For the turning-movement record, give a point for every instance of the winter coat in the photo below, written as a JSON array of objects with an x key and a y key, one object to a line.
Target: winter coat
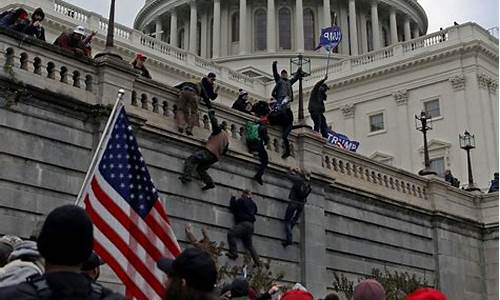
[
  {"x": 207, "y": 90},
  {"x": 37, "y": 32},
  {"x": 283, "y": 87},
  {"x": 240, "y": 104},
  {"x": 144, "y": 71},
  {"x": 218, "y": 141},
  {"x": 18, "y": 271},
  {"x": 493, "y": 186},
  {"x": 62, "y": 286},
  {"x": 300, "y": 188},
  {"x": 318, "y": 98},
  {"x": 244, "y": 209}
]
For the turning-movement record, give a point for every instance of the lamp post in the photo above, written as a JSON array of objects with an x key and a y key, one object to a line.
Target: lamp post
[
  {"x": 302, "y": 67},
  {"x": 468, "y": 142},
  {"x": 424, "y": 126},
  {"x": 110, "y": 35}
]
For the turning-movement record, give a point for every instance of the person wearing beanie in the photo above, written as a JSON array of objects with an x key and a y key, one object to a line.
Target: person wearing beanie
[
  {"x": 34, "y": 27},
  {"x": 241, "y": 104},
  {"x": 191, "y": 275},
  {"x": 208, "y": 92},
  {"x": 426, "y": 294},
  {"x": 25, "y": 261},
  {"x": 316, "y": 107},
  {"x": 65, "y": 242},
  {"x": 92, "y": 266},
  {"x": 368, "y": 289}
]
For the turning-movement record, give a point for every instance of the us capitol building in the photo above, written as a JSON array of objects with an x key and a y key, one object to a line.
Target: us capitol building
[{"x": 387, "y": 68}]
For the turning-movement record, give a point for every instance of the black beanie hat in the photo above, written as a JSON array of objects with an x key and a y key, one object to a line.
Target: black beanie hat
[{"x": 66, "y": 237}]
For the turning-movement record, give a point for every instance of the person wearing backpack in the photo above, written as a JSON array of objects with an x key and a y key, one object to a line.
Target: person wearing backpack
[
  {"x": 65, "y": 242},
  {"x": 257, "y": 139},
  {"x": 301, "y": 188}
]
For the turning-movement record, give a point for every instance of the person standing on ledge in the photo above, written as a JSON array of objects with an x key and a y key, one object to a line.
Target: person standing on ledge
[
  {"x": 208, "y": 92},
  {"x": 317, "y": 107},
  {"x": 138, "y": 64},
  {"x": 217, "y": 145},
  {"x": 283, "y": 93},
  {"x": 301, "y": 188},
  {"x": 244, "y": 210}
]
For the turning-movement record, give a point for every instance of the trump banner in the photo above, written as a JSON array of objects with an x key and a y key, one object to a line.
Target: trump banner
[
  {"x": 330, "y": 38},
  {"x": 342, "y": 141}
]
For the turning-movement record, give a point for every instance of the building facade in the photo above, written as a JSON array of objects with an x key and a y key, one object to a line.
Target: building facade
[{"x": 386, "y": 70}]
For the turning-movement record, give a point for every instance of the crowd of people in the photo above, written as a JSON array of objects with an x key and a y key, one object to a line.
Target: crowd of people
[{"x": 59, "y": 264}]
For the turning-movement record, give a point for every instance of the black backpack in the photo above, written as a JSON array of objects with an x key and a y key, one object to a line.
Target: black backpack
[{"x": 43, "y": 291}]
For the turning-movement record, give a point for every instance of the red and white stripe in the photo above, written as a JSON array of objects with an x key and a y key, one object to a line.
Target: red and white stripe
[{"x": 130, "y": 245}]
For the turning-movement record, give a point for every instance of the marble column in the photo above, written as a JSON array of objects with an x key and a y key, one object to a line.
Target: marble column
[
  {"x": 299, "y": 29},
  {"x": 243, "y": 28},
  {"x": 364, "y": 33},
  {"x": 173, "y": 28},
  {"x": 327, "y": 14},
  {"x": 394, "y": 26},
  {"x": 407, "y": 29},
  {"x": 353, "y": 27},
  {"x": 193, "y": 26},
  {"x": 204, "y": 35},
  {"x": 271, "y": 27},
  {"x": 158, "y": 29},
  {"x": 344, "y": 25},
  {"x": 216, "y": 32},
  {"x": 375, "y": 25}
]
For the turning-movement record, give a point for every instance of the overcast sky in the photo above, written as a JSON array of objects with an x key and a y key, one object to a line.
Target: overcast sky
[{"x": 441, "y": 13}]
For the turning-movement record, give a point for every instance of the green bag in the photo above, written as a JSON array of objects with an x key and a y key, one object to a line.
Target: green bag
[{"x": 252, "y": 131}]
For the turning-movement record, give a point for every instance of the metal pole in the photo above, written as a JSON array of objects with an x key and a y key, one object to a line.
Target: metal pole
[
  {"x": 469, "y": 166},
  {"x": 426, "y": 150},
  {"x": 301, "y": 101},
  {"x": 101, "y": 143},
  {"x": 111, "y": 26}
]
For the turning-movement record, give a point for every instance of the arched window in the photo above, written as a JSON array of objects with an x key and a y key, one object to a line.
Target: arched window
[
  {"x": 309, "y": 33},
  {"x": 260, "y": 29},
  {"x": 285, "y": 30},
  {"x": 369, "y": 33},
  {"x": 181, "y": 38},
  {"x": 198, "y": 38},
  {"x": 235, "y": 27}
]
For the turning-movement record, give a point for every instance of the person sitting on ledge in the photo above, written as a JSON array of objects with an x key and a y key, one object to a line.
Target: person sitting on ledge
[
  {"x": 242, "y": 103},
  {"x": 138, "y": 64},
  {"x": 217, "y": 145},
  {"x": 76, "y": 41},
  {"x": 208, "y": 92},
  {"x": 34, "y": 27}
]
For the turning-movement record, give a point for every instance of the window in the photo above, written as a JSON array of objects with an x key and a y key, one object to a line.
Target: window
[
  {"x": 211, "y": 39},
  {"x": 437, "y": 165},
  {"x": 309, "y": 33},
  {"x": 369, "y": 33},
  {"x": 377, "y": 122},
  {"x": 432, "y": 109},
  {"x": 260, "y": 24},
  {"x": 235, "y": 28},
  {"x": 198, "y": 38},
  {"x": 285, "y": 30}
]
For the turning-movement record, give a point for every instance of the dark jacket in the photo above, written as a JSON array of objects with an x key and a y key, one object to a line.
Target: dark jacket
[
  {"x": 300, "y": 188},
  {"x": 8, "y": 18},
  {"x": 264, "y": 137},
  {"x": 493, "y": 186},
  {"x": 207, "y": 91},
  {"x": 244, "y": 209},
  {"x": 65, "y": 41},
  {"x": 62, "y": 286},
  {"x": 144, "y": 71},
  {"x": 318, "y": 98},
  {"x": 240, "y": 104},
  {"x": 283, "y": 87},
  {"x": 37, "y": 32},
  {"x": 261, "y": 109}
]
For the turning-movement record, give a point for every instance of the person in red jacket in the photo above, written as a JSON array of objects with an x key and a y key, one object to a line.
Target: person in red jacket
[{"x": 76, "y": 41}]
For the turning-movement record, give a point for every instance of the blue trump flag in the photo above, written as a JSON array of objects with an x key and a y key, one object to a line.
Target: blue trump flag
[
  {"x": 342, "y": 141},
  {"x": 330, "y": 38}
]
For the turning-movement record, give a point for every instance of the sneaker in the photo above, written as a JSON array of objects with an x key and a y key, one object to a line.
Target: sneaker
[
  {"x": 184, "y": 180},
  {"x": 285, "y": 155},
  {"x": 232, "y": 255},
  {"x": 208, "y": 187},
  {"x": 259, "y": 180}
]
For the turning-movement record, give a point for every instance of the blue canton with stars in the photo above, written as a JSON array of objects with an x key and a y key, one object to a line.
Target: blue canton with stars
[{"x": 123, "y": 167}]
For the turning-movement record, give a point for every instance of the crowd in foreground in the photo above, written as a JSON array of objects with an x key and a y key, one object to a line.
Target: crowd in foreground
[{"x": 61, "y": 265}]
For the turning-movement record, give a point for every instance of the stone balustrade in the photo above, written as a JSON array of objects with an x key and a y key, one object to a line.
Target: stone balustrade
[{"x": 57, "y": 71}]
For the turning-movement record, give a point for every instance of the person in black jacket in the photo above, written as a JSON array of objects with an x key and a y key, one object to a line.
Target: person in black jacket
[
  {"x": 242, "y": 104},
  {"x": 259, "y": 145},
  {"x": 317, "y": 107},
  {"x": 35, "y": 28},
  {"x": 65, "y": 241},
  {"x": 301, "y": 188},
  {"x": 244, "y": 210},
  {"x": 138, "y": 64},
  {"x": 494, "y": 184},
  {"x": 207, "y": 89}
]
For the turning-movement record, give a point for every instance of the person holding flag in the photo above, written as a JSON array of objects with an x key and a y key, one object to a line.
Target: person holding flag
[
  {"x": 317, "y": 107},
  {"x": 132, "y": 230}
]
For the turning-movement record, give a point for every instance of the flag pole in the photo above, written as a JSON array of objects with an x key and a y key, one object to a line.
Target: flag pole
[
  {"x": 334, "y": 21},
  {"x": 105, "y": 133}
]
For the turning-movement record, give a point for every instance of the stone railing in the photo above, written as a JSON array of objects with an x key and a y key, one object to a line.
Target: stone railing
[
  {"x": 45, "y": 67},
  {"x": 403, "y": 50}
]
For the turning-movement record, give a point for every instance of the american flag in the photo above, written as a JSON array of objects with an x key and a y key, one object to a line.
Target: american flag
[{"x": 131, "y": 226}]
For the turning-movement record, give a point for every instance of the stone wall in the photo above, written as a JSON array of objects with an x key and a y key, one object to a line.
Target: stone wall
[{"x": 362, "y": 214}]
